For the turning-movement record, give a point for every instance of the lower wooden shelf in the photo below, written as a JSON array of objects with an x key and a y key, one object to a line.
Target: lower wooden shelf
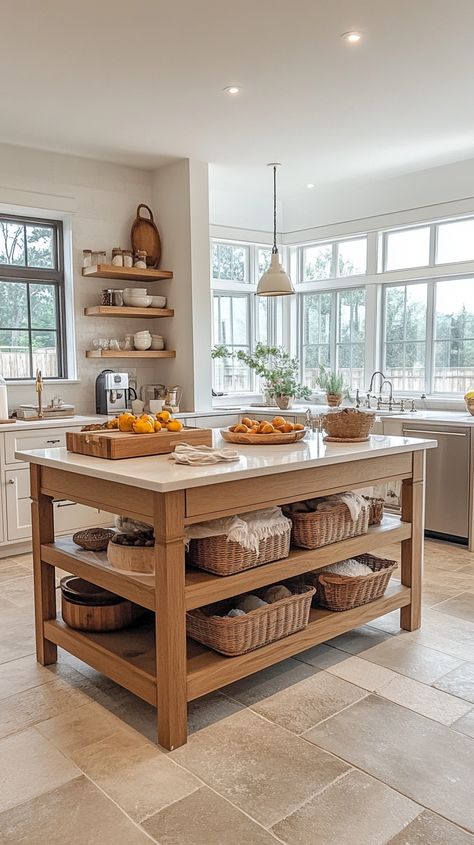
[
  {"x": 128, "y": 656},
  {"x": 120, "y": 353}
]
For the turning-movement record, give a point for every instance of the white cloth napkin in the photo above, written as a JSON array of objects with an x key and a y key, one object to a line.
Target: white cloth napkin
[{"x": 197, "y": 455}]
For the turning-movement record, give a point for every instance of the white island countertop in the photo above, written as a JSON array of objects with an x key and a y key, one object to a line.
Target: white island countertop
[{"x": 161, "y": 474}]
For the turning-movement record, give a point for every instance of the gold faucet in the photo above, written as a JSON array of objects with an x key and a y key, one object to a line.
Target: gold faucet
[{"x": 39, "y": 390}]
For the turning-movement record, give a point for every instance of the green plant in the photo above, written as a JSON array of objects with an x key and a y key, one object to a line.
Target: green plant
[
  {"x": 332, "y": 383},
  {"x": 274, "y": 365}
]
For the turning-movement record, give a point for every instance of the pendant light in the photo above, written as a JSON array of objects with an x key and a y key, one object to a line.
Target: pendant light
[{"x": 275, "y": 282}]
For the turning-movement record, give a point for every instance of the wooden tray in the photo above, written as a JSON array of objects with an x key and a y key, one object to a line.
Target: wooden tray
[
  {"x": 145, "y": 235},
  {"x": 116, "y": 445},
  {"x": 262, "y": 439}
]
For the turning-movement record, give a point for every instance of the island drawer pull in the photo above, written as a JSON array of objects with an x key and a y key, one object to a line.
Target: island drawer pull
[{"x": 58, "y": 440}]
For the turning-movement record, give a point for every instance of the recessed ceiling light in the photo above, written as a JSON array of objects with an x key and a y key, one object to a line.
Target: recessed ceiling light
[
  {"x": 310, "y": 185},
  {"x": 351, "y": 37},
  {"x": 232, "y": 89}
]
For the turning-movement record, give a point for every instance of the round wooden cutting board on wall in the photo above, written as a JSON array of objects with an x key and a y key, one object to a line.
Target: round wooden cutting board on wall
[{"x": 145, "y": 235}]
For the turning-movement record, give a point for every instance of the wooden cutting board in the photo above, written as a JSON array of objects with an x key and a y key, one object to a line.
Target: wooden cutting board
[
  {"x": 145, "y": 235},
  {"x": 117, "y": 445}
]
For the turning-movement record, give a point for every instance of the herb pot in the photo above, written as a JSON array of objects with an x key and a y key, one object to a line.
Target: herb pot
[
  {"x": 284, "y": 402},
  {"x": 334, "y": 399}
]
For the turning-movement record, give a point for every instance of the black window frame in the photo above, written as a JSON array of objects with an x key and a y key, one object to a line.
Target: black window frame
[{"x": 36, "y": 275}]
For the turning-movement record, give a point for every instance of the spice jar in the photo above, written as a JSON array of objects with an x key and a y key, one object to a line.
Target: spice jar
[
  {"x": 127, "y": 258},
  {"x": 101, "y": 256},
  {"x": 106, "y": 298},
  {"x": 117, "y": 257},
  {"x": 140, "y": 259},
  {"x": 86, "y": 257},
  {"x": 117, "y": 297},
  {"x": 128, "y": 342}
]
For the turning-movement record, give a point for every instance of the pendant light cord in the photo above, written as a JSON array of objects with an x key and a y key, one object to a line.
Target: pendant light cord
[{"x": 275, "y": 248}]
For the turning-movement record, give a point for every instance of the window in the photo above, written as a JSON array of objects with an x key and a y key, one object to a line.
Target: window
[
  {"x": 333, "y": 335},
  {"x": 334, "y": 259},
  {"x": 407, "y": 248},
  {"x": 405, "y": 310},
  {"x": 453, "y": 370},
  {"x": 232, "y": 329},
  {"x": 229, "y": 262},
  {"x": 31, "y": 298},
  {"x": 455, "y": 241}
]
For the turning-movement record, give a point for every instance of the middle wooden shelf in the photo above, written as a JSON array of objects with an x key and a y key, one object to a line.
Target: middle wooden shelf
[
  {"x": 124, "y": 311},
  {"x": 133, "y": 353}
]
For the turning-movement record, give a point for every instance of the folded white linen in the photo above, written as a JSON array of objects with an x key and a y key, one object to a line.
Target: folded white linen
[{"x": 201, "y": 455}]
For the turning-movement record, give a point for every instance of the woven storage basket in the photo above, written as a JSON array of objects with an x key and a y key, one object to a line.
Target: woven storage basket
[
  {"x": 320, "y": 528},
  {"x": 93, "y": 539},
  {"x": 225, "y": 557},
  {"x": 348, "y": 424},
  {"x": 343, "y": 592},
  {"x": 257, "y": 628},
  {"x": 376, "y": 509}
]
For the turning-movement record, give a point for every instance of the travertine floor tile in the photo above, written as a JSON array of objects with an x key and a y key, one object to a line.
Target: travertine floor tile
[
  {"x": 77, "y": 813},
  {"x": 428, "y": 762},
  {"x": 279, "y": 677},
  {"x": 37, "y": 704},
  {"x": 208, "y": 710},
  {"x": 16, "y": 634},
  {"x": 321, "y": 656},
  {"x": 205, "y": 818},
  {"x": 307, "y": 703},
  {"x": 390, "y": 623},
  {"x": 29, "y": 766},
  {"x": 22, "y": 674},
  {"x": 429, "y": 829},
  {"x": 80, "y": 727},
  {"x": 359, "y": 639},
  {"x": 426, "y": 700},
  {"x": 461, "y": 606},
  {"x": 367, "y": 675},
  {"x": 356, "y": 810},
  {"x": 460, "y": 682},
  {"x": 139, "y": 777},
  {"x": 411, "y": 659},
  {"x": 258, "y": 766},
  {"x": 10, "y": 569},
  {"x": 19, "y": 591},
  {"x": 445, "y": 633},
  {"x": 466, "y": 724}
]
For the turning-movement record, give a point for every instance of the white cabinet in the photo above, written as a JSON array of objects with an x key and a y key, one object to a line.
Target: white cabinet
[
  {"x": 51, "y": 438},
  {"x": 216, "y": 421}
]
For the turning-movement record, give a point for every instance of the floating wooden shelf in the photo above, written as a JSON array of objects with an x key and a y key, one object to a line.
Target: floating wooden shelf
[
  {"x": 135, "y": 353},
  {"x": 123, "y": 311},
  {"x": 132, "y": 274},
  {"x": 128, "y": 656}
]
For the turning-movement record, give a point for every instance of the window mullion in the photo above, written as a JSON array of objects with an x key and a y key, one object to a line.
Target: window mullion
[{"x": 430, "y": 338}]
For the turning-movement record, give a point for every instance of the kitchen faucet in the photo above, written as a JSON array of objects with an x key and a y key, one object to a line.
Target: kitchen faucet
[{"x": 380, "y": 402}]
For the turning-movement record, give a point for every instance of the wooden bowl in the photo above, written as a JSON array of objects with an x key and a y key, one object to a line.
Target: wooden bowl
[
  {"x": 131, "y": 558},
  {"x": 262, "y": 439},
  {"x": 93, "y": 539},
  {"x": 86, "y": 607}
]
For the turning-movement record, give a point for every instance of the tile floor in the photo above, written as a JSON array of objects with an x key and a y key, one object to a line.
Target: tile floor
[{"x": 367, "y": 740}]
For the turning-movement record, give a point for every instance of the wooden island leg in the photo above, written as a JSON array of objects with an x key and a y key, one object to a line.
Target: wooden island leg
[
  {"x": 412, "y": 549},
  {"x": 170, "y": 618},
  {"x": 42, "y": 520}
]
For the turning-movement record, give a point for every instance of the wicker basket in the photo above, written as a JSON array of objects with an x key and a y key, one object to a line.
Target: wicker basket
[
  {"x": 93, "y": 539},
  {"x": 348, "y": 424},
  {"x": 225, "y": 557},
  {"x": 320, "y": 528},
  {"x": 376, "y": 506},
  {"x": 257, "y": 628},
  {"x": 343, "y": 592}
]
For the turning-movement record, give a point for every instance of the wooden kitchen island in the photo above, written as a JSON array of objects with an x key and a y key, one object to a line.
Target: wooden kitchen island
[{"x": 153, "y": 660}]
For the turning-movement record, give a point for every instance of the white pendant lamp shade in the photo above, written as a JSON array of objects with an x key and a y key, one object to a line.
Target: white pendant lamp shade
[{"x": 275, "y": 282}]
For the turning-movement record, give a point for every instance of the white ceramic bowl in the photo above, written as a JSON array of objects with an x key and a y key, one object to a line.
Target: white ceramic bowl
[
  {"x": 142, "y": 345},
  {"x": 135, "y": 291},
  {"x": 157, "y": 344},
  {"x": 158, "y": 302},
  {"x": 137, "y": 301}
]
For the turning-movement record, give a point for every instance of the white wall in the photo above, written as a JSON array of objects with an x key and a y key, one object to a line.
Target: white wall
[{"x": 100, "y": 199}]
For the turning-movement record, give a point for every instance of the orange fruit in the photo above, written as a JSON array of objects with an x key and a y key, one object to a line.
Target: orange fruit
[
  {"x": 276, "y": 421},
  {"x": 163, "y": 416},
  {"x": 241, "y": 428},
  {"x": 143, "y": 426},
  {"x": 247, "y": 421},
  {"x": 266, "y": 428},
  {"x": 298, "y": 427},
  {"x": 157, "y": 425},
  {"x": 174, "y": 425},
  {"x": 125, "y": 421}
]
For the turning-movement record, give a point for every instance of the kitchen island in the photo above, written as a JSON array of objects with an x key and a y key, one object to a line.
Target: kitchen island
[{"x": 171, "y": 496}]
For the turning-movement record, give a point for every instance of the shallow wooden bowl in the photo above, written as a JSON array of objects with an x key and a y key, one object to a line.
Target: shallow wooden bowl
[
  {"x": 262, "y": 439},
  {"x": 131, "y": 558}
]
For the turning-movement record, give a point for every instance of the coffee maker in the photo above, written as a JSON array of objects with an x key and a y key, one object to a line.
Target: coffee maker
[{"x": 112, "y": 393}]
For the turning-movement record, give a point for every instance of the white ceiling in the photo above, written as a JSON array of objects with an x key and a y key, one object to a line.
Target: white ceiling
[{"x": 142, "y": 83}]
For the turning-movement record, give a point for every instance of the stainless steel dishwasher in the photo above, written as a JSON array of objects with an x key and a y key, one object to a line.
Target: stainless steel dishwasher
[{"x": 447, "y": 479}]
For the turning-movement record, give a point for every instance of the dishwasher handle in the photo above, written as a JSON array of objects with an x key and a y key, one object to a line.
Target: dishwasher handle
[{"x": 428, "y": 431}]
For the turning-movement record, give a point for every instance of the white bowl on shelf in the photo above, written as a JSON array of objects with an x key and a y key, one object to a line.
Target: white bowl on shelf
[
  {"x": 158, "y": 302},
  {"x": 141, "y": 345},
  {"x": 137, "y": 301},
  {"x": 135, "y": 291},
  {"x": 157, "y": 345}
]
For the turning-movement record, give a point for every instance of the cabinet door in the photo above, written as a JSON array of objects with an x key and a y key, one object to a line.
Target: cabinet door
[{"x": 68, "y": 516}]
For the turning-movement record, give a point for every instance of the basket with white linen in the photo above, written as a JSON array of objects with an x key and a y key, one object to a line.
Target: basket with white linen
[
  {"x": 233, "y": 544},
  {"x": 253, "y": 629},
  {"x": 338, "y": 592},
  {"x": 319, "y": 522}
]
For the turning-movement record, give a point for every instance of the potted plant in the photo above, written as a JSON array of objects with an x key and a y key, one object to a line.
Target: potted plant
[
  {"x": 279, "y": 372},
  {"x": 333, "y": 385}
]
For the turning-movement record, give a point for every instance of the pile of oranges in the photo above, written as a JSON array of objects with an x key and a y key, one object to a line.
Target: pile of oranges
[
  {"x": 146, "y": 423},
  {"x": 278, "y": 425}
]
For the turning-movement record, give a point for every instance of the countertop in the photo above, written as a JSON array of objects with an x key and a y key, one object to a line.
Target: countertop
[
  {"x": 161, "y": 474},
  {"x": 24, "y": 425}
]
